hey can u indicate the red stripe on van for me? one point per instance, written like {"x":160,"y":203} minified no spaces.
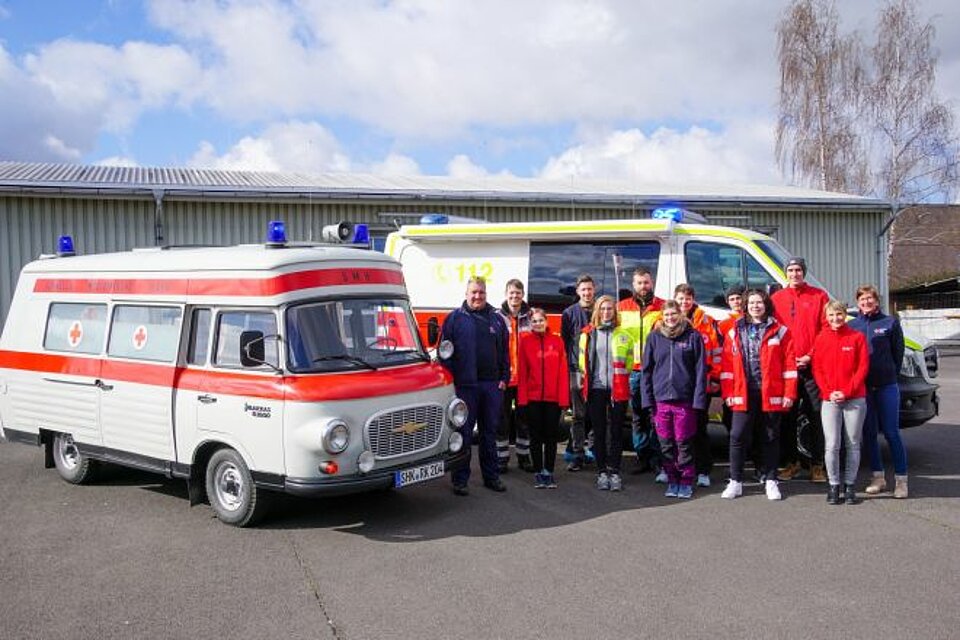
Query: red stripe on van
{"x":283,"y":283}
{"x":303,"y":388}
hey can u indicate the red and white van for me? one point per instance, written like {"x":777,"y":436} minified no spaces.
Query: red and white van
{"x":241,"y":369}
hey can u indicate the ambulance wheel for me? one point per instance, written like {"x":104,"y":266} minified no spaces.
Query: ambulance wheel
{"x":234,"y":497}
{"x":73,"y":466}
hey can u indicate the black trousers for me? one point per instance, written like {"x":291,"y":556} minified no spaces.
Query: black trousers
{"x":807,"y":408}
{"x":606,"y":417}
{"x":741,"y":434}
{"x":702,"y":455}
{"x":543,"y":418}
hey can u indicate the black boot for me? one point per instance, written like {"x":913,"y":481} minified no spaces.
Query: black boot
{"x":525,"y":463}
{"x":833,"y":494}
{"x":850,"y":494}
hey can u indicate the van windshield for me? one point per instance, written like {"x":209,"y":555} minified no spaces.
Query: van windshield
{"x":351,"y":334}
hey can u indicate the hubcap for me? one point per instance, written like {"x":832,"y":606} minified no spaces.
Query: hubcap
{"x":228,"y":484}
{"x":69,"y":455}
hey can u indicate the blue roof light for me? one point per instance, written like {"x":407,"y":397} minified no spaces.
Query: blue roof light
{"x":65,"y":246}
{"x":361,"y":234}
{"x":434,"y":218}
{"x":668,"y":213}
{"x":276,"y":233}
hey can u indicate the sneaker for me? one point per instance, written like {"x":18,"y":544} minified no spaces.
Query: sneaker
{"x":773,"y":491}
{"x":685,"y":492}
{"x":575,"y":465}
{"x":818,"y":474}
{"x":550,"y":481}
{"x":703,"y":480}
{"x":672,"y":490}
{"x":460,"y":490}
{"x":603,"y":482}
{"x":539,"y":482}
{"x":661,"y":477}
{"x":734,"y":490}
{"x":616,"y":484}
{"x":525,"y":464}
{"x":900,"y":490}
{"x":790,"y":471}
{"x":878,"y":484}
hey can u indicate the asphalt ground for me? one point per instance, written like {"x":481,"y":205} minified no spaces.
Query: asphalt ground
{"x":128,"y":558}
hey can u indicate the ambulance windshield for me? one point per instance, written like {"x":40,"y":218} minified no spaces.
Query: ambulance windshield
{"x":351,"y":334}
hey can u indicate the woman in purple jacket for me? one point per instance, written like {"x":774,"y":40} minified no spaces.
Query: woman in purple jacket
{"x":674,"y":387}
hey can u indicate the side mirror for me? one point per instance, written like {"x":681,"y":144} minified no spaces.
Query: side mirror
{"x":773,"y":288}
{"x":251,"y":349}
{"x":433,"y":331}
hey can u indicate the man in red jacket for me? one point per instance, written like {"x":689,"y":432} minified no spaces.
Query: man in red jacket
{"x":800,"y":307}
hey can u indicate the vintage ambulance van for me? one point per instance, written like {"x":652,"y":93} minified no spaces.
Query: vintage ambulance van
{"x":243,"y":370}
{"x":675,"y":245}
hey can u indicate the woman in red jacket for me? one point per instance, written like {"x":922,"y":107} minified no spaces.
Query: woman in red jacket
{"x":758,"y":381}
{"x":840,"y":365}
{"x":543,"y":390}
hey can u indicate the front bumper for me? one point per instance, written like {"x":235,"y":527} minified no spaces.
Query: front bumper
{"x":377,"y":479}
{"x":919,"y":401}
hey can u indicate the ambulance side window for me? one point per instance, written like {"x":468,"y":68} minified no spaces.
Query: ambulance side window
{"x":229,"y":327}
{"x":75,"y":328}
{"x":145,"y":332}
{"x":712,"y":268}
{"x":199,"y":337}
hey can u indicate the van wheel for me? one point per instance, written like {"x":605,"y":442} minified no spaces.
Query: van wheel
{"x":73,"y":466}
{"x":230,"y":489}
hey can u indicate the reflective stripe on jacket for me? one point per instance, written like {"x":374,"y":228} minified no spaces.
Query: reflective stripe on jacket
{"x":712,"y":350}
{"x":639,"y":323}
{"x":622,"y":347}
{"x":516,"y":325}
{"x":777,"y":366}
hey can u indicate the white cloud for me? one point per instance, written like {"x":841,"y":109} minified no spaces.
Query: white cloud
{"x":289,"y":146}
{"x":395,"y":164}
{"x":739,"y":154}
{"x":461,"y":166}
{"x":117,"y":161}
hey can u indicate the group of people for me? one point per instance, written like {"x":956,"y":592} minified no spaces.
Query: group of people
{"x":794,"y":378}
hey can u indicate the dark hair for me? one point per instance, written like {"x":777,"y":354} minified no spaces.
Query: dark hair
{"x":584,"y":277}
{"x":735,"y":290}
{"x":515,"y":283}
{"x":767,"y":304}
{"x":642,"y":271}
{"x":685,"y":289}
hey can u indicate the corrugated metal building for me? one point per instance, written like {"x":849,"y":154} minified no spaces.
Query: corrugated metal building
{"x":118,"y":208}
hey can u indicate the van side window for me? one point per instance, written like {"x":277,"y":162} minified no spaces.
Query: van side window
{"x":199,"y":337}
{"x":145,"y":332}
{"x":75,"y":327}
{"x":555,"y":266}
{"x":229,"y":327}
{"x":712,"y":268}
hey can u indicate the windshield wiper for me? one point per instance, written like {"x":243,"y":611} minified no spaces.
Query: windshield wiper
{"x":404,"y":352}
{"x":343,"y":357}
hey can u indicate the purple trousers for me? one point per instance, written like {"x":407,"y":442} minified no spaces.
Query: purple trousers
{"x":676,"y":425}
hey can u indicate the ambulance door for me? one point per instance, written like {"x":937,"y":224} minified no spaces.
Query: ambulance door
{"x":67,"y":400}
{"x":136,"y":394}
{"x":243,"y":406}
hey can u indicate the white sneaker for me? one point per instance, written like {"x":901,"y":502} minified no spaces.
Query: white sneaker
{"x":773,"y":491}
{"x":616,"y":483}
{"x":703,"y":480}
{"x":661,"y":477}
{"x":734,"y":490}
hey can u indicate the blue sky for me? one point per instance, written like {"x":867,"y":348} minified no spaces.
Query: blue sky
{"x":620,"y":89}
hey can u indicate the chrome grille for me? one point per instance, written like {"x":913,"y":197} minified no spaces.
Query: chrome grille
{"x":405,"y":430}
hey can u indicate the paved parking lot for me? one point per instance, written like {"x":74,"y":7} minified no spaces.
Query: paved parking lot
{"x":128,"y":558}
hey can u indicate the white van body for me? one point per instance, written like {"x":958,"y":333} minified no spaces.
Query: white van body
{"x":547,"y":257}
{"x":135,"y":358}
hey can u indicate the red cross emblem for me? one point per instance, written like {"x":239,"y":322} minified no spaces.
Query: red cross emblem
{"x":75,"y":335}
{"x":140,"y":337}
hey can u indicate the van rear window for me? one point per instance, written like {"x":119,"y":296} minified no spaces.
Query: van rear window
{"x":75,"y":327}
{"x":145,"y":332}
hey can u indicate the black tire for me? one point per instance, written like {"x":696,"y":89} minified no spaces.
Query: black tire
{"x":73,"y":466}
{"x":234,"y":497}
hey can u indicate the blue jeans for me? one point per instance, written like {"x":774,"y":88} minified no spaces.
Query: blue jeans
{"x":883,"y":414}
{"x":483,"y":404}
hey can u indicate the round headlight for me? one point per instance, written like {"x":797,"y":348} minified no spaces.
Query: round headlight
{"x":366,"y":461}
{"x":457,"y":411}
{"x":336,"y":437}
{"x":455,"y":442}
{"x":445,"y":350}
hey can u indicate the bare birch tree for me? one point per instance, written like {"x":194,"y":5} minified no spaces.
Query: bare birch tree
{"x":821,"y":82}
{"x":915,"y":144}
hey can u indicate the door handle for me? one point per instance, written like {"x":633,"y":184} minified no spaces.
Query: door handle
{"x":103,"y":385}
{"x":206,"y":398}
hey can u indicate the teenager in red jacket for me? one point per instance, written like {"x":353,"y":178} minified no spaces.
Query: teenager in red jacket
{"x":840,"y":365}
{"x":543,"y":391}
{"x":800,"y":307}
{"x":758,"y":381}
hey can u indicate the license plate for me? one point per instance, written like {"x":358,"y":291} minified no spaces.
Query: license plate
{"x":417,"y":474}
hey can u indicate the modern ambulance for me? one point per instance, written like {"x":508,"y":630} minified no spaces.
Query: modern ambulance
{"x":244,"y":370}
{"x":441,"y":254}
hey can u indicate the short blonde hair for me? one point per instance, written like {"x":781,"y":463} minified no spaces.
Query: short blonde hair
{"x":477,"y":280}
{"x":834,"y":305}
{"x":595,"y":318}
